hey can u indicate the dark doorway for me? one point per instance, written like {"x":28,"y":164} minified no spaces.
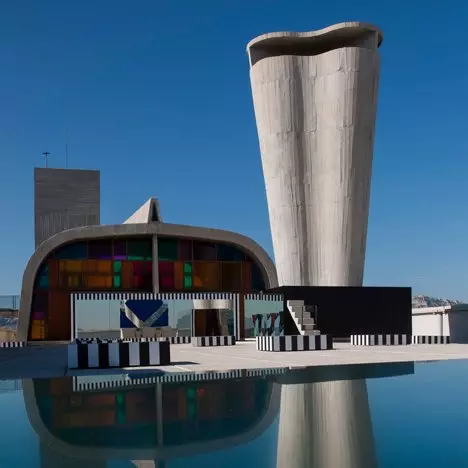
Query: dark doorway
{"x":206,"y":322}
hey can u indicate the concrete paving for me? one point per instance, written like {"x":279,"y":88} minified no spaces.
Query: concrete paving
{"x":37,"y":362}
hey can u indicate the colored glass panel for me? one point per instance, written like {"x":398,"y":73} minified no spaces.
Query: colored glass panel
{"x":257,"y":278}
{"x":118,"y":267}
{"x":37,"y":330}
{"x":71,"y":281}
{"x":43,"y":281}
{"x":206,"y":276}
{"x":231,"y":276}
{"x":53,"y":274}
{"x":117,"y":281}
{"x":185,"y":250}
{"x":120,"y":250}
{"x":101,"y":249}
{"x":141,"y":248}
{"x":166,"y":275}
{"x":246,"y":277}
{"x":229,"y":253}
{"x":188,"y":281}
{"x":178,"y":275}
{"x":98,"y":281}
{"x":59,"y":323}
{"x":71,"y":266}
{"x":204,"y":251}
{"x":167,"y":249}
{"x":127,"y":274}
{"x":78,"y":251}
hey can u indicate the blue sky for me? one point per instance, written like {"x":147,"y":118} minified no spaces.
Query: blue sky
{"x":156,"y":95}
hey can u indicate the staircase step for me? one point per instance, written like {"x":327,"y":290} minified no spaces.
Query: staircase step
{"x":295,"y":304}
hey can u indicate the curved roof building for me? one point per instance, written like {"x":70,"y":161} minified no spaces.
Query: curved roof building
{"x":142,"y":255}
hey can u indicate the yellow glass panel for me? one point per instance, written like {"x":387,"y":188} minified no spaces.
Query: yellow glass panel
{"x":73,"y":281}
{"x":206,"y":276}
{"x":96,"y":282}
{"x":71,"y":266}
{"x":37,"y":330}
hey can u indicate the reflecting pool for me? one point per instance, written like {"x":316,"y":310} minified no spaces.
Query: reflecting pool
{"x":389,"y":415}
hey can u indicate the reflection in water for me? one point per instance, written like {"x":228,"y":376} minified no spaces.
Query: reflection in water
{"x":324,"y":423}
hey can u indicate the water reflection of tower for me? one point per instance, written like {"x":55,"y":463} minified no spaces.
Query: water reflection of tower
{"x":324,"y":425}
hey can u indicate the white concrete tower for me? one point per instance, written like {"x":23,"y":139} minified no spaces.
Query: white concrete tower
{"x":315,"y":99}
{"x":325,"y":425}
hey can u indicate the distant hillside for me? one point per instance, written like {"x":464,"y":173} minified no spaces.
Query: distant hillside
{"x":428,"y":301}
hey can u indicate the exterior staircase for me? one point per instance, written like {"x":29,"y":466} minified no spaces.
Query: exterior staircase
{"x":303,"y":317}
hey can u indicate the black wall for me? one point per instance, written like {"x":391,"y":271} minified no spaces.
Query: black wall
{"x":345,"y":311}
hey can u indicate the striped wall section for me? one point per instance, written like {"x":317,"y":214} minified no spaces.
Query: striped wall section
{"x":426,"y":339}
{"x":263,"y":297}
{"x":108,"y":355}
{"x":205,"y":341}
{"x":380,"y":340}
{"x":83,"y":384}
{"x":12,"y":344}
{"x":110,"y":296}
{"x":295,"y":343}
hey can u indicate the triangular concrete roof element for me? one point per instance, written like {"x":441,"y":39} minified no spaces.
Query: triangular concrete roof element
{"x":149,"y":212}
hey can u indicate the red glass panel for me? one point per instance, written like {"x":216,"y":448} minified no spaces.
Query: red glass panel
{"x":185,"y":250}
{"x":166,"y":275}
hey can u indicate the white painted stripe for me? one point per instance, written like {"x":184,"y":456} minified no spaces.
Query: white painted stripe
{"x":114,"y":354}
{"x":93,"y":355}
{"x":154,"y":354}
{"x":134,"y":354}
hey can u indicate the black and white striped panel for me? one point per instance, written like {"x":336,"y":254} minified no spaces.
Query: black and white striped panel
{"x":380,"y":340}
{"x":95,"y":383}
{"x":177,"y":339}
{"x":264,"y":297}
{"x":204,"y":341}
{"x":426,"y":339}
{"x":12,"y":344}
{"x":295,"y":343}
{"x":107,"y":355}
{"x":107,"y":296}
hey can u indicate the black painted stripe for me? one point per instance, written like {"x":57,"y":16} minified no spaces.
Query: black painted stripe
{"x":164,"y":353}
{"x":82,"y":353}
{"x":144,"y":354}
{"x":103,"y":355}
{"x":124,"y":355}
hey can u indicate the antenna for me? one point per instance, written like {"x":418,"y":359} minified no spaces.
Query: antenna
{"x":46,"y":157}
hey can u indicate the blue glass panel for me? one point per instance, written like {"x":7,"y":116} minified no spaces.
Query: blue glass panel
{"x":229,"y":253}
{"x":257,"y":279}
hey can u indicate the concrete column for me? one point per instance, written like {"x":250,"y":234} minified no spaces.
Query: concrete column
{"x":155,"y":265}
{"x":315,"y":97}
{"x":325,"y":425}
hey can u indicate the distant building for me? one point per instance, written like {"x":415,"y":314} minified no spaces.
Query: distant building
{"x":64,"y":199}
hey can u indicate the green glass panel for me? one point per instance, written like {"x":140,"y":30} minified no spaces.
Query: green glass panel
{"x":167,"y":249}
{"x":117,"y":281}
{"x":134,"y":257}
{"x":43,"y":281}
{"x":187,"y":282}
{"x":142,"y":248}
{"x":187,"y":268}
{"x":117,"y":267}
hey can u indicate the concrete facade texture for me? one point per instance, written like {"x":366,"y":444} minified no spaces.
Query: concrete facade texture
{"x":315,"y":99}
{"x":65,"y":199}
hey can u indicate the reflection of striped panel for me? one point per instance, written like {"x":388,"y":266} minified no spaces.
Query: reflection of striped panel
{"x":81,"y":384}
{"x":107,"y":355}
{"x":213,"y":341}
{"x":171,"y":339}
{"x":264,"y":297}
{"x":294,"y":343}
{"x":95,"y":296}
{"x":425,"y":339}
{"x":12,"y":344}
{"x":380,"y":340}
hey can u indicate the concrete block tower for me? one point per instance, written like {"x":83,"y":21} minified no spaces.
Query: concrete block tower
{"x":65,"y":199}
{"x":315,"y":99}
